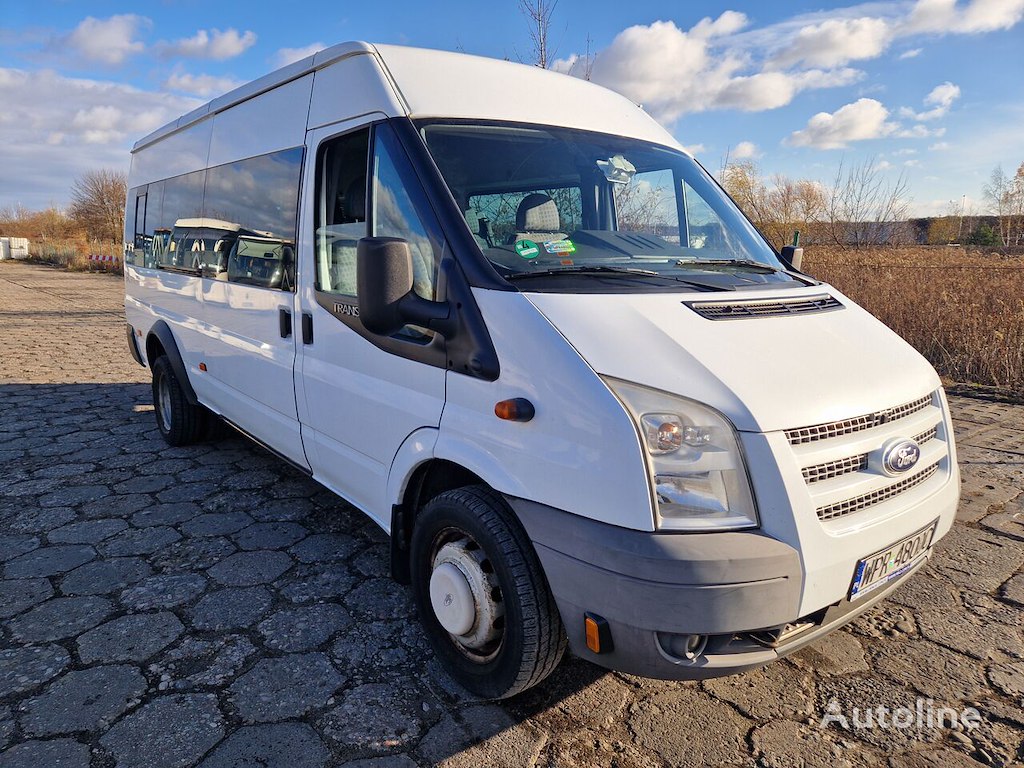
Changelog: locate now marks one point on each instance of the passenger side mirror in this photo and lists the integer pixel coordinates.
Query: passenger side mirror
(384, 281)
(792, 257)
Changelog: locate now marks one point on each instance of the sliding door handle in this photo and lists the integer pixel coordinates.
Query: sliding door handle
(284, 321)
(307, 328)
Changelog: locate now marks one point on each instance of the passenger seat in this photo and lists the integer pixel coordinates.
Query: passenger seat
(537, 219)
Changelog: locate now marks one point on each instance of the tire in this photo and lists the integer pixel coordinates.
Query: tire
(516, 639)
(180, 422)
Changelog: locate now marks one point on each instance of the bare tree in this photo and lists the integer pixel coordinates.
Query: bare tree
(1005, 197)
(97, 203)
(864, 209)
(538, 14)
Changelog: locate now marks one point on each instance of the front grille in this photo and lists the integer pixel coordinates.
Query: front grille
(803, 435)
(830, 469)
(736, 310)
(848, 507)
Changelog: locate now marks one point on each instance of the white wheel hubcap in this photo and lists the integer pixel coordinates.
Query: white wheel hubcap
(452, 599)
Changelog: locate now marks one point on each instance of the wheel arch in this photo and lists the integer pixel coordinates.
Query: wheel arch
(160, 341)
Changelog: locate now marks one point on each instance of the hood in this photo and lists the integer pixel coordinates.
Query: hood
(765, 373)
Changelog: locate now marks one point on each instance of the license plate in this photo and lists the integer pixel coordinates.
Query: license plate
(892, 562)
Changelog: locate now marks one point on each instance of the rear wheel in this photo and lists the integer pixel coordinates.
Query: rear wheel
(180, 422)
(482, 596)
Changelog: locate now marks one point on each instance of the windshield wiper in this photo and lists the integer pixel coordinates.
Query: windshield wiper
(727, 263)
(605, 271)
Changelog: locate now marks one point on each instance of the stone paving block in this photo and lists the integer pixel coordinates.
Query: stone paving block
(145, 484)
(139, 541)
(56, 753)
(284, 688)
(129, 638)
(304, 628)
(295, 745)
(839, 653)
(169, 732)
(688, 727)
(48, 561)
(305, 583)
(17, 595)
(165, 514)
(245, 569)
(1009, 522)
(379, 717)
(193, 554)
(1008, 678)
(1013, 589)
(12, 546)
(22, 669)
(971, 636)
(59, 618)
(325, 547)
(514, 745)
(163, 591)
(275, 535)
(978, 560)
(76, 494)
(202, 663)
(932, 670)
(776, 692)
(86, 531)
(785, 744)
(186, 492)
(216, 524)
(7, 726)
(380, 599)
(389, 761)
(104, 576)
(41, 520)
(231, 608)
(85, 700)
(111, 506)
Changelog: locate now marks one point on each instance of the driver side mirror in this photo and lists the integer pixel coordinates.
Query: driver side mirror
(384, 280)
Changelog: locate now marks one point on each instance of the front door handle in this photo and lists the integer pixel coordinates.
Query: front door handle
(307, 328)
(284, 320)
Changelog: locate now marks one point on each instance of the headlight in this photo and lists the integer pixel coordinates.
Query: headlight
(697, 471)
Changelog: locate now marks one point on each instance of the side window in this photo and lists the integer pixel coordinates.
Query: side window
(340, 211)
(250, 216)
(399, 209)
(648, 204)
(182, 201)
(704, 226)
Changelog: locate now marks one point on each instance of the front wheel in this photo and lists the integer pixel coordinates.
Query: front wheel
(482, 596)
(180, 422)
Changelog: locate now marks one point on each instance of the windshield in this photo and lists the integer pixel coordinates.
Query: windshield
(541, 201)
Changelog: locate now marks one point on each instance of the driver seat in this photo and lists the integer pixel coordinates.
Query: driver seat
(537, 219)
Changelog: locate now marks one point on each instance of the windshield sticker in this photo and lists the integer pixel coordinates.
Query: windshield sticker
(527, 249)
(567, 262)
(560, 246)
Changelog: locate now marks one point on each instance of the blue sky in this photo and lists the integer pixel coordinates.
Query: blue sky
(928, 88)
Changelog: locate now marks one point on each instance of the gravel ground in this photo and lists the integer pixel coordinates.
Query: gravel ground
(211, 606)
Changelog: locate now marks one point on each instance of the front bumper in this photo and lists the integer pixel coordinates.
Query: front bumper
(740, 589)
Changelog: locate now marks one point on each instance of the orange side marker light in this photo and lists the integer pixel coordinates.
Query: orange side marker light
(516, 409)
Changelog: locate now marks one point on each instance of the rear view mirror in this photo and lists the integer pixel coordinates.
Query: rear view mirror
(792, 257)
(384, 281)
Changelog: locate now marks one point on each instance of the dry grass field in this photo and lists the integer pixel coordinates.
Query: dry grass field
(963, 310)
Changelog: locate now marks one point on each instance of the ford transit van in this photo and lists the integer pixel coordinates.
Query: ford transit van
(506, 315)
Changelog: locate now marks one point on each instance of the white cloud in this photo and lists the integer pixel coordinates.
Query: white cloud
(835, 42)
(940, 98)
(671, 71)
(883, 165)
(745, 150)
(286, 56)
(206, 86)
(911, 54)
(863, 119)
(947, 16)
(694, 149)
(940, 146)
(108, 41)
(211, 44)
(65, 126)
(905, 151)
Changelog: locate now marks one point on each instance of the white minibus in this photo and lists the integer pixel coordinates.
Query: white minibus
(505, 314)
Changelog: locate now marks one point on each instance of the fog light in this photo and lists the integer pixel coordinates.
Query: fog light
(687, 647)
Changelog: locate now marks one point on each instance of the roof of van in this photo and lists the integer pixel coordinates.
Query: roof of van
(444, 84)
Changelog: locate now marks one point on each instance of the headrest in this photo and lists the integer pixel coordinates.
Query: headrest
(537, 213)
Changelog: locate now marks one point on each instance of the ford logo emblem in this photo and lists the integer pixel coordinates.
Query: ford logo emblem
(900, 455)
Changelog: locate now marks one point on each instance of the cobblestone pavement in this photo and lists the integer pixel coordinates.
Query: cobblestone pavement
(211, 606)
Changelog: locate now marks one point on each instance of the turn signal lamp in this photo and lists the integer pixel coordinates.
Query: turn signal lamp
(516, 409)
